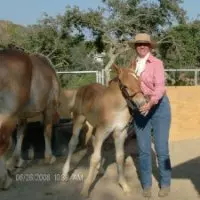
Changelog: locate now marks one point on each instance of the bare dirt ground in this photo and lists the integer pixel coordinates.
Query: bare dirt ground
(185, 177)
(185, 158)
(185, 109)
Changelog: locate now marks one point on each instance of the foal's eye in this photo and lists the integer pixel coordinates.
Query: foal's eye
(125, 86)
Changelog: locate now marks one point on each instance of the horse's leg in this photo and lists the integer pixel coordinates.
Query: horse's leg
(119, 139)
(98, 140)
(6, 128)
(5, 180)
(48, 123)
(16, 159)
(78, 122)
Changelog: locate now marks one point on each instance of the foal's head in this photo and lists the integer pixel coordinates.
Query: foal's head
(130, 85)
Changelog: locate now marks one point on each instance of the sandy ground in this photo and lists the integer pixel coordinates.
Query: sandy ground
(185, 177)
(185, 158)
(185, 110)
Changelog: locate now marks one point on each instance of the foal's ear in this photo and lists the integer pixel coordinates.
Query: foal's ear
(116, 68)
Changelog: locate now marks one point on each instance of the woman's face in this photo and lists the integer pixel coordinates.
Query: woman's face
(142, 49)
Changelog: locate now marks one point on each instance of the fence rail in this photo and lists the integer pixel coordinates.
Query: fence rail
(100, 74)
(196, 72)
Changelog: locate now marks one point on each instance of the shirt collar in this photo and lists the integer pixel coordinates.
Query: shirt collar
(145, 58)
(151, 58)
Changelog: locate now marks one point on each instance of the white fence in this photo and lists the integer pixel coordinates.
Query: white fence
(97, 73)
(100, 78)
(195, 71)
(100, 75)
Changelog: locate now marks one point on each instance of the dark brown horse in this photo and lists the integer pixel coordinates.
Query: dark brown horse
(28, 87)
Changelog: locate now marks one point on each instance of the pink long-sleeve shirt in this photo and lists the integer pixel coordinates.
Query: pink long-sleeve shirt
(152, 79)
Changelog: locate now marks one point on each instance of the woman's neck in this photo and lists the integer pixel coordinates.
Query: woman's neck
(143, 57)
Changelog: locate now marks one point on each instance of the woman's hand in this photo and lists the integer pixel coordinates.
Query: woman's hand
(144, 110)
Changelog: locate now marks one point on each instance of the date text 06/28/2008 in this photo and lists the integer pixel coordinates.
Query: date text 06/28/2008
(46, 177)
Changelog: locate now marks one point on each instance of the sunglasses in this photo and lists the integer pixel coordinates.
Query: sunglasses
(142, 44)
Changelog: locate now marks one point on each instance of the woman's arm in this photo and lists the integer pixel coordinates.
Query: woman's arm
(159, 82)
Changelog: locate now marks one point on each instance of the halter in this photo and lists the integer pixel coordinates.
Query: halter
(124, 91)
(131, 105)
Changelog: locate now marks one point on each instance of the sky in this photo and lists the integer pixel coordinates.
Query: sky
(27, 12)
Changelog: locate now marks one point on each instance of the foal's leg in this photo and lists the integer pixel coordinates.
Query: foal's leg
(48, 123)
(89, 132)
(78, 122)
(100, 168)
(119, 139)
(98, 140)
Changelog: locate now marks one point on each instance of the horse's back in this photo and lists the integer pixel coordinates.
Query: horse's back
(87, 97)
(43, 65)
(15, 79)
(44, 87)
(15, 66)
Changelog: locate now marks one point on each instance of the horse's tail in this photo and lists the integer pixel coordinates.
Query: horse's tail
(56, 99)
(68, 98)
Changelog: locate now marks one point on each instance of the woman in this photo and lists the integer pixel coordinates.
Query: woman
(156, 115)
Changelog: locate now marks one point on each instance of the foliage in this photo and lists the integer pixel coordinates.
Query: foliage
(182, 47)
(73, 39)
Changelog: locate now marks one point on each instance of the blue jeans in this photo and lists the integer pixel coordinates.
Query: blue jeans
(158, 119)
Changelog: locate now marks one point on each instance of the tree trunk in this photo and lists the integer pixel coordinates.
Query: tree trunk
(107, 68)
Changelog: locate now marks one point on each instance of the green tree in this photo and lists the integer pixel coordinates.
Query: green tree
(72, 39)
(119, 20)
(181, 48)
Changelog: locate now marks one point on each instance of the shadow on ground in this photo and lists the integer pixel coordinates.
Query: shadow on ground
(189, 170)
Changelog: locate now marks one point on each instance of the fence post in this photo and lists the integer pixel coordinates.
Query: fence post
(102, 77)
(97, 76)
(196, 77)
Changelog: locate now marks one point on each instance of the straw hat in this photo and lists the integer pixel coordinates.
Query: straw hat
(142, 38)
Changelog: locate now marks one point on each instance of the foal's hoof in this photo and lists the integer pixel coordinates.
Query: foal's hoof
(50, 159)
(85, 193)
(125, 188)
(6, 182)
